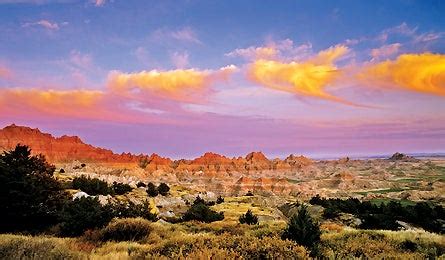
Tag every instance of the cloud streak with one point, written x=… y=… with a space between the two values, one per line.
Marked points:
x=307 y=78
x=424 y=73
x=53 y=26
x=182 y=85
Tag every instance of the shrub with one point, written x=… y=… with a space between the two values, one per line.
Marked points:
x=62 y=171
x=121 y=188
x=30 y=197
x=132 y=210
x=219 y=200
x=82 y=214
x=201 y=212
x=129 y=229
x=141 y=184
x=152 y=191
x=248 y=218
x=302 y=229
x=163 y=189
x=92 y=186
x=249 y=193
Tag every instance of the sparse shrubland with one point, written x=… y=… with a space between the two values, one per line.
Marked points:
x=384 y=216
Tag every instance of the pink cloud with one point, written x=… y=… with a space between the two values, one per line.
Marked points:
x=44 y=23
x=385 y=51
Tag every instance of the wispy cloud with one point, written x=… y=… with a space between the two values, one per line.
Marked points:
x=180 y=59
x=186 y=34
x=385 y=51
x=5 y=72
x=99 y=2
x=284 y=49
x=43 y=23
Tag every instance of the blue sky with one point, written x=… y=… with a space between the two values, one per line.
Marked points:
x=79 y=46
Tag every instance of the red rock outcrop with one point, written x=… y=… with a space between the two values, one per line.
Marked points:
x=61 y=149
x=70 y=148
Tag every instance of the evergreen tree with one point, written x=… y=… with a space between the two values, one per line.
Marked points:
x=249 y=218
x=30 y=197
x=302 y=229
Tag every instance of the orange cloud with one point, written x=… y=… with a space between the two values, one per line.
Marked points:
x=73 y=103
x=180 y=85
x=416 y=72
x=308 y=78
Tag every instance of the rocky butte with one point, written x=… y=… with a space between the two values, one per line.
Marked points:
x=71 y=148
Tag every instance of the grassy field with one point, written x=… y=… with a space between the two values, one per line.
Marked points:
x=226 y=240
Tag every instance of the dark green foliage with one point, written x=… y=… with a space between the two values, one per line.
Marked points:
x=92 y=186
x=163 y=189
x=83 y=165
x=384 y=216
x=30 y=197
x=141 y=184
x=219 y=200
x=198 y=199
x=132 y=210
x=249 y=193
x=82 y=214
x=248 y=218
x=302 y=229
x=152 y=191
x=121 y=188
x=201 y=212
x=62 y=171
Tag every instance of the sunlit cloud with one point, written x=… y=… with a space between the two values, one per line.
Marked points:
x=306 y=78
x=43 y=23
x=183 y=85
x=423 y=73
x=73 y=103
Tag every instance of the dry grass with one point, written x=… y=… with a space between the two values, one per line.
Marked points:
x=222 y=240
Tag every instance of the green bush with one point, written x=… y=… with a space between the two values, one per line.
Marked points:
x=163 y=189
x=92 y=186
x=302 y=229
x=121 y=188
x=128 y=229
x=248 y=218
x=132 y=210
x=152 y=191
x=30 y=197
x=219 y=200
x=201 y=212
x=141 y=184
x=82 y=214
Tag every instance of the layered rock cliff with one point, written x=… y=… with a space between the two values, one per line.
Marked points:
x=70 y=148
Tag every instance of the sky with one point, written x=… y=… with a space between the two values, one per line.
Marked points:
x=179 y=78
